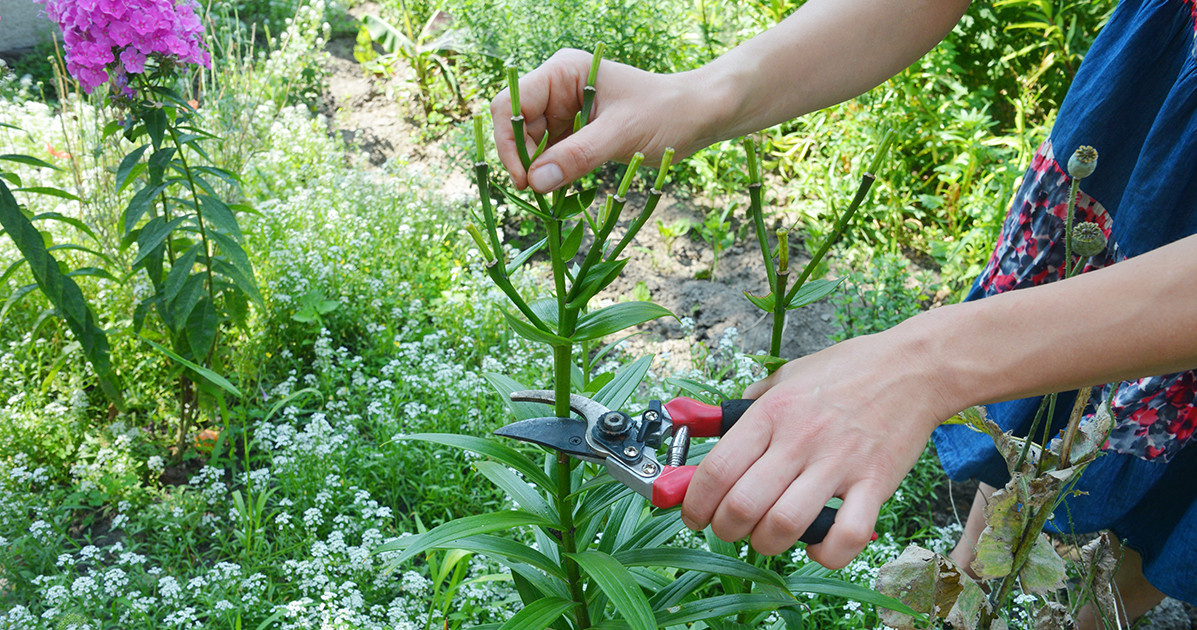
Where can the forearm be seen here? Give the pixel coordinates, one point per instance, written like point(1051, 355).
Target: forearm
point(1136, 318)
point(826, 52)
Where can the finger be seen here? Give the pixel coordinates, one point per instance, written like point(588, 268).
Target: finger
point(574, 156)
point(853, 529)
point(790, 516)
point(732, 456)
point(755, 493)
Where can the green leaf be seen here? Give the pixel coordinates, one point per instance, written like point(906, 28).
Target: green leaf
point(509, 549)
point(763, 303)
point(812, 292)
point(657, 531)
point(617, 317)
point(27, 160)
point(203, 372)
point(493, 449)
point(523, 205)
point(698, 560)
point(538, 614)
point(62, 291)
point(219, 214)
point(598, 278)
point(723, 606)
point(525, 255)
point(523, 494)
point(128, 167)
point(573, 241)
point(71, 221)
point(202, 324)
point(619, 586)
point(627, 379)
point(847, 590)
point(49, 191)
point(577, 202)
point(153, 235)
point(460, 528)
point(242, 272)
point(139, 205)
point(179, 272)
point(532, 333)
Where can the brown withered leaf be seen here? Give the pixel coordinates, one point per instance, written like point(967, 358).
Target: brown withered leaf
point(1090, 437)
point(1099, 561)
point(1054, 616)
point(930, 583)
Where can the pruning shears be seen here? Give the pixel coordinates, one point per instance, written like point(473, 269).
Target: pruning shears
point(626, 445)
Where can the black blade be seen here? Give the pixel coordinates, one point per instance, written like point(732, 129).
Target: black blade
point(563, 434)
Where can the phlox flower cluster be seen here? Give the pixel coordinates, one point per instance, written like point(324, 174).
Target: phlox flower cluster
point(111, 39)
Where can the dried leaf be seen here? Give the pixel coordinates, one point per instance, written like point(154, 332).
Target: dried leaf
point(1090, 437)
point(1005, 517)
point(1054, 616)
point(929, 583)
point(1098, 563)
point(1044, 571)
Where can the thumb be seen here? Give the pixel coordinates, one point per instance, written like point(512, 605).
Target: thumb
point(571, 158)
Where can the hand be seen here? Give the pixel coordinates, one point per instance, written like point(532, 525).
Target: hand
point(847, 422)
point(633, 111)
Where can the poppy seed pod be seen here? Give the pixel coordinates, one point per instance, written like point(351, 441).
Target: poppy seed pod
point(1083, 162)
point(1088, 239)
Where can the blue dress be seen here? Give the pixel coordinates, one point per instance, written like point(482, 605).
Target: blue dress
point(1134, 99)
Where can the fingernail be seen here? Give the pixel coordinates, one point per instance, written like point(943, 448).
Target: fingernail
point(690, 524)
point(546, 177)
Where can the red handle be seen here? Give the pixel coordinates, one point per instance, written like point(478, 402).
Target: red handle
point(702, 419)
point(670, 488)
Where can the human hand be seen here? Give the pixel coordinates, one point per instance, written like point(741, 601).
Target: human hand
point(634, 111)
point(846, 422)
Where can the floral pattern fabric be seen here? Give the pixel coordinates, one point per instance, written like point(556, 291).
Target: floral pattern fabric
point(1155, 416)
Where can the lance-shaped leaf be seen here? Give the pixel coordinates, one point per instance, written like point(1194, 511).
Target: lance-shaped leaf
point(723, 606)
point(812, 292)
point(577, 202)
point(617, 317)
point(573, 241)
point(538, 614)
point(523, 494)
point(619, 586)
point(617, 391)
point(63, 293)
point(128, 167)
point(509, 549)
point(698, 560)
point(493, 449)
point(532, 333)
point(460, 528)
point(203, 372)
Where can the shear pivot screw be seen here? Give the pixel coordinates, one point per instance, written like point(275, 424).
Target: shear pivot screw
point(614, 423)
point(648, 468)
point(630, 451)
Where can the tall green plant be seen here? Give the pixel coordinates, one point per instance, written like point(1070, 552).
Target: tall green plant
point(600, 558)
point(188, 240)
point(784, 297)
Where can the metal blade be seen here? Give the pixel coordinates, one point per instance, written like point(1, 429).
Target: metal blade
point(563, 434)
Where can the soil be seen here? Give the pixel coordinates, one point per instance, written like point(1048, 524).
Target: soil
point(373, 117)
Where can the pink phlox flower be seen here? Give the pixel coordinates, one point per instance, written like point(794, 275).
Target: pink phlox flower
point(98, 32)
point(133, 60)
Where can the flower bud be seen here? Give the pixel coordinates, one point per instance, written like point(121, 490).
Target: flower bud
point(1083, 162)
point(1087, 239)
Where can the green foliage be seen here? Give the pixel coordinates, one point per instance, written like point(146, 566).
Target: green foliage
point(884, 294)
